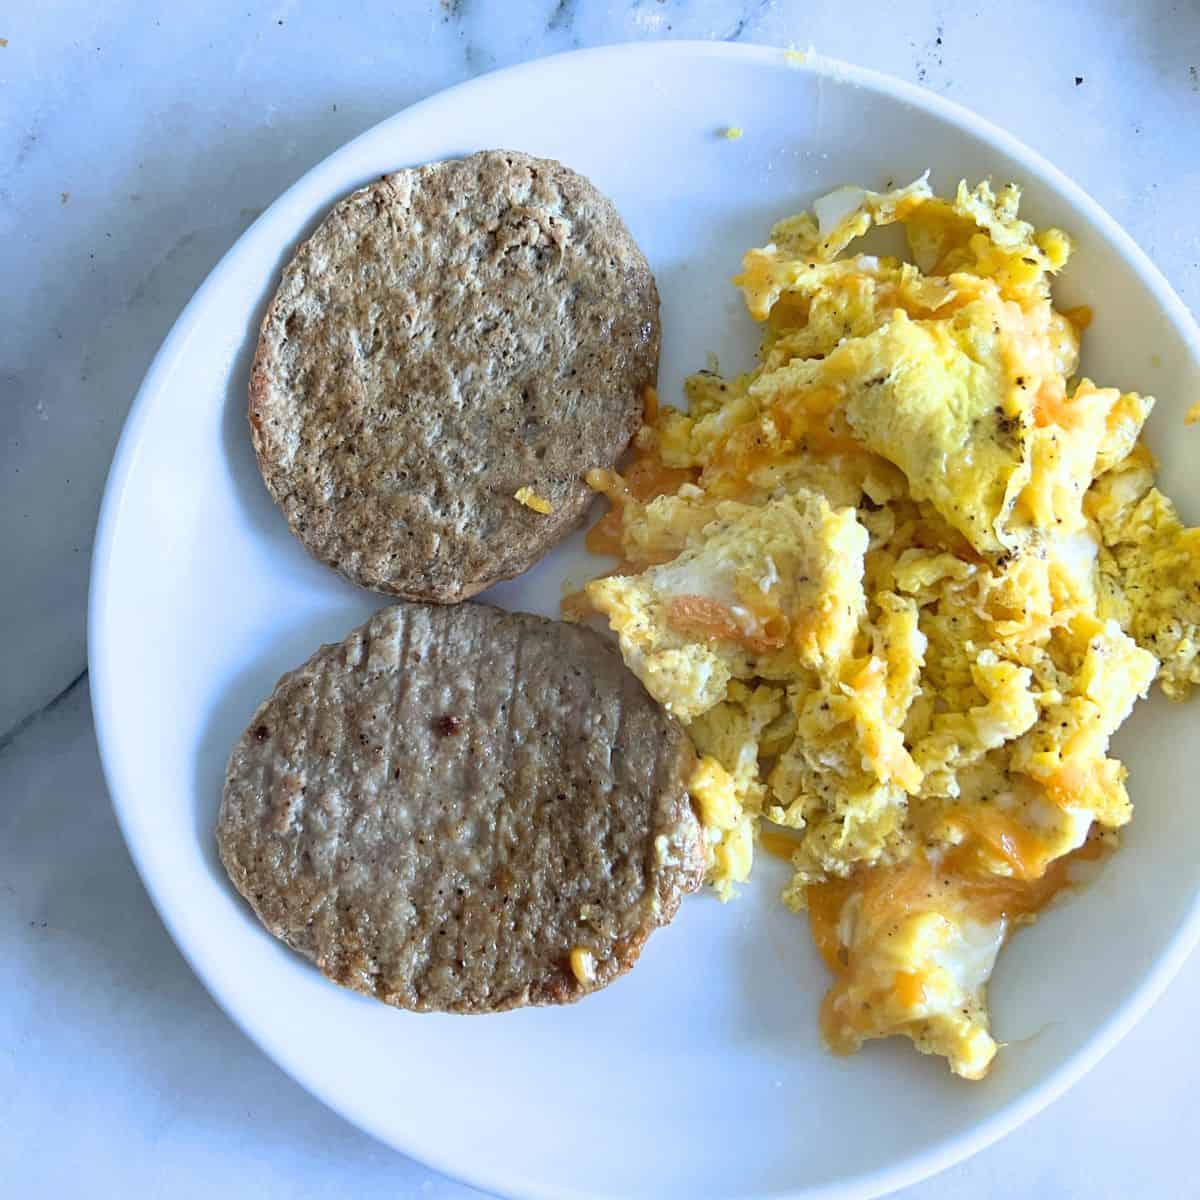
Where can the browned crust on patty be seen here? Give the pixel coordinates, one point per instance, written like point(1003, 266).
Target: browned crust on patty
point(450, 334)
point(438, 809)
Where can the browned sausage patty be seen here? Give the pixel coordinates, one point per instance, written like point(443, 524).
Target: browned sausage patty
point(440, 808)
point(450, 334)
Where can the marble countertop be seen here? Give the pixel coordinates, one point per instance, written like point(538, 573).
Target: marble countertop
point(137, 141)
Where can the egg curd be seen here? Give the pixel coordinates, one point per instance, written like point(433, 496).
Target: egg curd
point(902, 581)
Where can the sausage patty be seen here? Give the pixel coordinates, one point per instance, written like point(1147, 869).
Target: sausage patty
point(450, 335)
point(463, 809)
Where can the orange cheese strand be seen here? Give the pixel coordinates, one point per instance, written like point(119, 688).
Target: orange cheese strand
point(1052, 407)
point(778, 845)
point(909, 989)
point(825, 902)
point(892, 893)
point(708, 620)
point(887, 896)
point(575, 606)
point(991, 832)
point(646, 477)
point(605, 536)
point(650, 405)
point(1080, 316)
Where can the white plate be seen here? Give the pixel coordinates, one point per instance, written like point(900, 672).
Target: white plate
point(700, 1073)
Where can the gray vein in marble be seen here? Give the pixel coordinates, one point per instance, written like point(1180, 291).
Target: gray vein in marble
point(746, 19)
point(562, 16)
point(11, 735)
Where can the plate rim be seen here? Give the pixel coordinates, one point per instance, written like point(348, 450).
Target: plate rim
point(903, 1173)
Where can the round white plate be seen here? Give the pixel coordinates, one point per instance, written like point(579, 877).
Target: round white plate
point(701, 1072)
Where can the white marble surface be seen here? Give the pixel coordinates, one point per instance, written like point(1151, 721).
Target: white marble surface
point(137, 140)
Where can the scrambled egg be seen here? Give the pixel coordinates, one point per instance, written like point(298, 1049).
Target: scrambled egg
point(902, 581)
